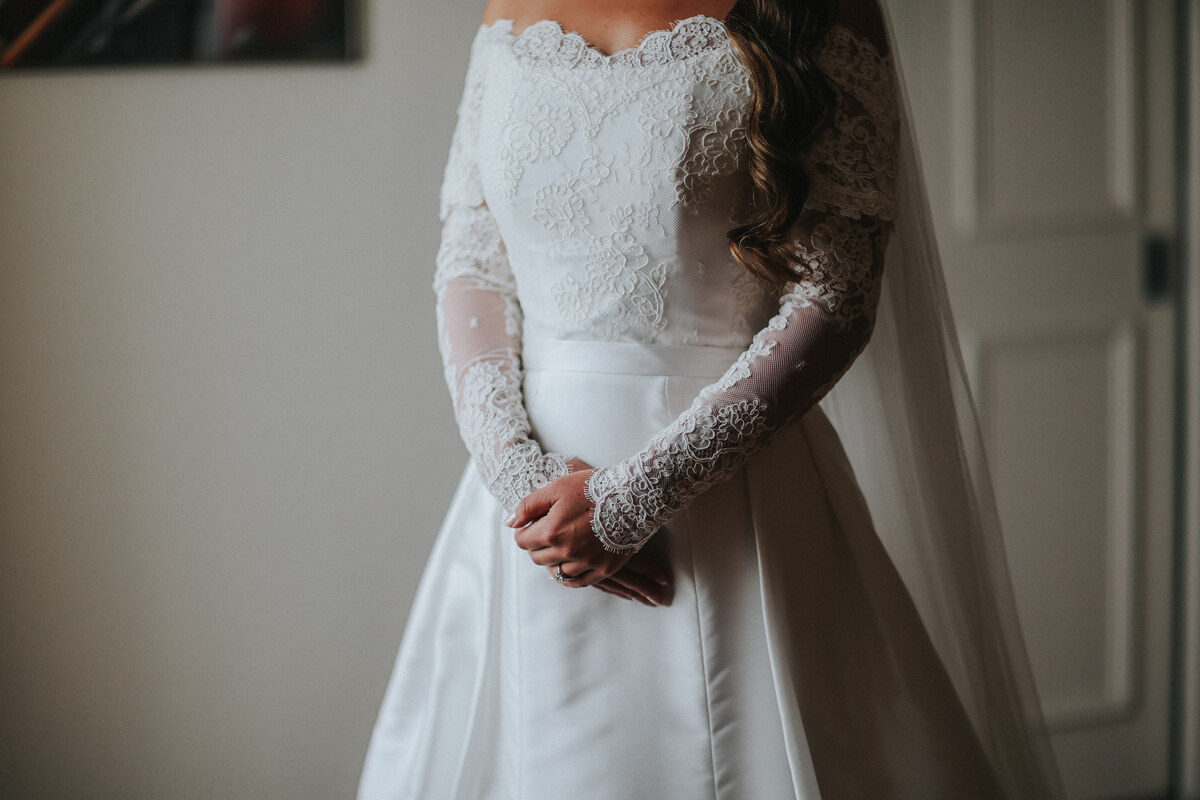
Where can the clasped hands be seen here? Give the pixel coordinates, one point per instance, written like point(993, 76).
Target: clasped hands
point(554, 524)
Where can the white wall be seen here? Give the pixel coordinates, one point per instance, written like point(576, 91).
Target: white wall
point(225, 444)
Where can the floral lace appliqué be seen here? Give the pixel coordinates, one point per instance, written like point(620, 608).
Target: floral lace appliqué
point(852, 164)
point(687, 97)
point(698, 449)
point(491, 423)
point(624, 293)
point(546, 42)
point(839, 268)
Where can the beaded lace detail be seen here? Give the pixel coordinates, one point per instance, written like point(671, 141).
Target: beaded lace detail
point(597, 174)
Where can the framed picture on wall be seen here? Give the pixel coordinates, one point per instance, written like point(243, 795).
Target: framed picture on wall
point(83, 33)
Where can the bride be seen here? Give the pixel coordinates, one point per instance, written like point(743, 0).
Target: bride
point(669, 228)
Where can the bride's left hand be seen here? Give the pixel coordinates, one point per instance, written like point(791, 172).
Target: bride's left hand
point(554, 523)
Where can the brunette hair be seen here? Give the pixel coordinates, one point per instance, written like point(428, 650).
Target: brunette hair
point(792, 102)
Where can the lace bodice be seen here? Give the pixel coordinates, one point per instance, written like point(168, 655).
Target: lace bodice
point(588, 196)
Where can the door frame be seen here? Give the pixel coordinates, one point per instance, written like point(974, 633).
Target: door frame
point(1186, 766)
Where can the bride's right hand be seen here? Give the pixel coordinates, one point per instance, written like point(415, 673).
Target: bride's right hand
point(644, 578)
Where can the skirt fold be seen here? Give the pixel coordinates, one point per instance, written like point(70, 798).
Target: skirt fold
point(791, 664)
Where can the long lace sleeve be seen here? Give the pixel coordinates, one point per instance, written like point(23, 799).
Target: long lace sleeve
point(479, 323)
point(824, 321)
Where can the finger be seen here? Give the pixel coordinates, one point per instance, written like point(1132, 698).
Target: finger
point(579, 578)
point(549, 557)
point(533, 505)
point(654, 570)
point(617, 590)
point(633, 594)
point(534, 536)
point(571, 571)
point(613, 593)
point(558, 566)
point(625, 592)
point(653, 591)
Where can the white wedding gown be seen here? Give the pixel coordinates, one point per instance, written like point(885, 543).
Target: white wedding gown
point(589, 306)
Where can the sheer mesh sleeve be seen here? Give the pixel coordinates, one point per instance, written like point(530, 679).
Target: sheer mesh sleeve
point(479, 323)
point(825, 317)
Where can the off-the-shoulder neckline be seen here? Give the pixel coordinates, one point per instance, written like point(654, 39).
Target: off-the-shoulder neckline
point(508, 24)
point(505, 26)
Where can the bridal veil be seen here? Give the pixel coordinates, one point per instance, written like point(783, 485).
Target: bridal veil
point(905, 415)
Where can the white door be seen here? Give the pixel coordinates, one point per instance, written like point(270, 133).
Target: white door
point(1046, 132)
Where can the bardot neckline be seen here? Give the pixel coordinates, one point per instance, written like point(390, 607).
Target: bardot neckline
point(711, 31)
point(655, 45)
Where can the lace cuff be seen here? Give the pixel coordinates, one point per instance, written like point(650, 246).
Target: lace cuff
point(492, 421)
point(704, 445)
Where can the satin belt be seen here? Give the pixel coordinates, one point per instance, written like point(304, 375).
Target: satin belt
point(627, 358)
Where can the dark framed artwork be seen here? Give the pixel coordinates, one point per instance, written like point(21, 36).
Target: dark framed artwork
point(82, 33)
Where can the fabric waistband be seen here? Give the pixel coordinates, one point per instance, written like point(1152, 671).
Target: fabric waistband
point(627, 358)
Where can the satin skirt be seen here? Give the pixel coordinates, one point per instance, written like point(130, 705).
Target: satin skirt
point(511, 687)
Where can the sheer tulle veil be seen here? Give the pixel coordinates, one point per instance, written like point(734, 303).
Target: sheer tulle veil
point(908, 423)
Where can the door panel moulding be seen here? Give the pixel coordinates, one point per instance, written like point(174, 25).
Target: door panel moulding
point(1121, 348)
point(976, 210)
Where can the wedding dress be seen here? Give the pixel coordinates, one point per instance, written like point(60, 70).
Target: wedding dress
point(588, 306)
